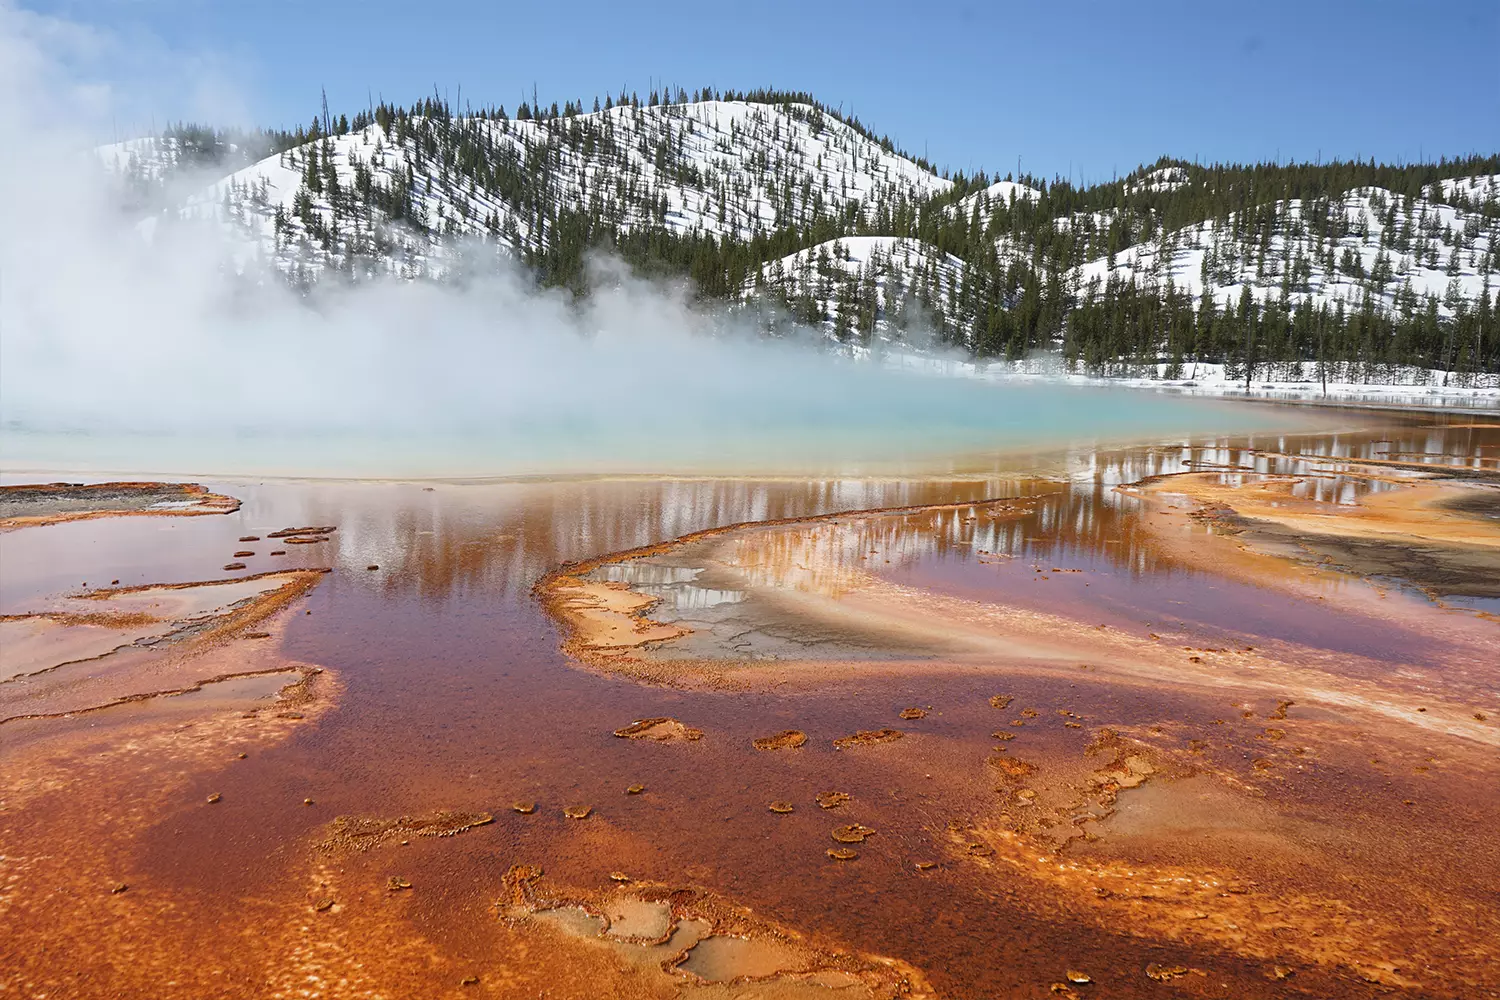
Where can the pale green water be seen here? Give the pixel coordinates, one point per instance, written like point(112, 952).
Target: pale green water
point(880, 423)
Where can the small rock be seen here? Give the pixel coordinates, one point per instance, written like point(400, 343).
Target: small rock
point(234, 565)
point(469, 981)
point(661, 728)
point(780, 807)
point(842, 853)
point(867, 736)
point(1074, 976)
point(323, 905)
point(787, 739)
point(577, 812)
point(853, 833)
point(1164, 973)
point(831, 800)
point(214, 798)
point(635, 789)
point(118, 888)
point(524, 808)
point(372, 566)
point(249, 538)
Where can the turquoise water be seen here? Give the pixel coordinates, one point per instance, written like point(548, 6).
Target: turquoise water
point(859, 422)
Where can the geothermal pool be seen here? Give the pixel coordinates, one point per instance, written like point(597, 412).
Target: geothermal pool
point(1211, 716)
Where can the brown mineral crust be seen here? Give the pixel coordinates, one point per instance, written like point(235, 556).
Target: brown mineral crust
point(661, 729)
point(362, 833)
point(103, 619)
point(51, 501)
point(610, 618)
point(866, 737)
point(852, 833)
point(786, 739)
point(818, 961)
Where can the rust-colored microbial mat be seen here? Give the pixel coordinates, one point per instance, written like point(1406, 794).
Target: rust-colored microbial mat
point(1201, 719)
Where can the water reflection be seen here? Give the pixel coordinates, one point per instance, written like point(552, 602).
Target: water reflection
point(456, 695)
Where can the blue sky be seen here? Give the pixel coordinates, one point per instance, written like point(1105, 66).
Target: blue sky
point(1082, 87)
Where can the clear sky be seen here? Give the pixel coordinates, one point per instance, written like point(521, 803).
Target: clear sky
point(1087, 87)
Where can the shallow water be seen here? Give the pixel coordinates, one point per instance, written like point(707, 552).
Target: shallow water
point(456, 695)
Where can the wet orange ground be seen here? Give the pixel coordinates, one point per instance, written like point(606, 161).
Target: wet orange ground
point(1313, 816)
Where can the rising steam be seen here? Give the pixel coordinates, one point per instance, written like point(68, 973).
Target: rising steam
point(126, 353)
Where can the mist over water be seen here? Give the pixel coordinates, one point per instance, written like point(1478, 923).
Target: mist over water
point(167, 349)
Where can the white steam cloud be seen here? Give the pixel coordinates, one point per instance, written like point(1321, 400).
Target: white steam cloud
point(125, 354)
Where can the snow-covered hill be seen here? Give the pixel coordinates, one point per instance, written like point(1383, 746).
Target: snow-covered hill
point(780, 203)
point(898, 288)
point(387, 197)
point(985, 201)
point(1371, 244)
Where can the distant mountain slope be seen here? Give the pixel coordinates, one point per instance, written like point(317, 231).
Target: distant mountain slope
point(391, 194)
point(859, 286)
point(776, 199)
point(1370, 246)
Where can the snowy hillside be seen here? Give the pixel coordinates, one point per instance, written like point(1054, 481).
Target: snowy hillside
point(385, 197)
point(162, 172)
point(1370, 245)
point(772, 199)
point(1160, 179)
point(1001, 193)
point(863, 285)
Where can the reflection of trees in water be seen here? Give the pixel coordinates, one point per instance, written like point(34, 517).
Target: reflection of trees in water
point(497, 539)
